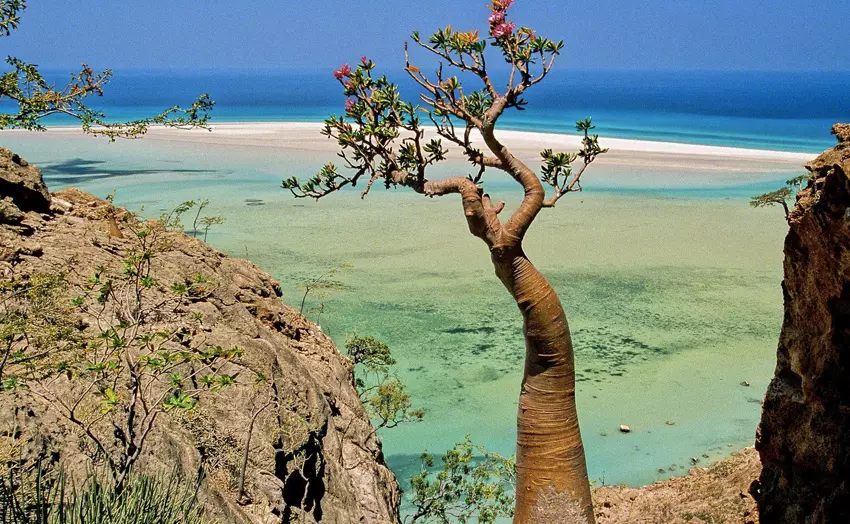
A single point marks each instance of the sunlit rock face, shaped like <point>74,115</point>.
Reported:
<point>804,437</point>
<point>316,458</point>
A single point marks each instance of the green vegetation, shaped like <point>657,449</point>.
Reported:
<point>208,222</point>
<point>782,195</point>
<point>37,98</point>
<point>47,497</point>
<point>110,357</point>
<point>321,287</point>
<point>385,397</point>
<point>472,486</point>
<point>205,221</point>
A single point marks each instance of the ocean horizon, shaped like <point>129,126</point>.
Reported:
<point>780,111</point>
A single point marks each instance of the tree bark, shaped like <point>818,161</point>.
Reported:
<point>549,446</point>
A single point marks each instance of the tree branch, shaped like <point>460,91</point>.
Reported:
<point>516,226</point>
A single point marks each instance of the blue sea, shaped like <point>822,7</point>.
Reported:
<point>778,111</point>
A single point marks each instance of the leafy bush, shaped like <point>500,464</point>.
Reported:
<point>385,398</point>
<point>473,486</point>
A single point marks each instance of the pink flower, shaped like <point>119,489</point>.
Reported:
<point>364,60</point>
<point>349,105</point>
<point>342,72</point>
<point>502,30</point>
<point>496,18</point>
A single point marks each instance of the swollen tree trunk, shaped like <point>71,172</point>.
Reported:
<point>550,454</point>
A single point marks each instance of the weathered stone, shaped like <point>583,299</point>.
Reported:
<point>32,249</point>
<point>23,183</point>
<point>9,212</point>
<point>350,481</point>
<point>804,436</point>
<point>842,132</point>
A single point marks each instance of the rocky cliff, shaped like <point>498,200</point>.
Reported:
<point>804,437</point>
<point>325,465</point>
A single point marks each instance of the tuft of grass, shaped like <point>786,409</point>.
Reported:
<point>38,497</point>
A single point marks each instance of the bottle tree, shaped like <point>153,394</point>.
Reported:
<point>382,139</point>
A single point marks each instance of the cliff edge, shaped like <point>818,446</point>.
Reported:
<point>316,460</point>
<point>804,436</point>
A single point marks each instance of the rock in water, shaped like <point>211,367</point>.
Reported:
<point>625,429</point>
<point>804,436</point>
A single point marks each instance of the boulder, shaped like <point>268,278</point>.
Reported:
<point>9,212</point>
<point>23,183</point>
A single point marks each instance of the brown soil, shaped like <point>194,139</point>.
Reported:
<point>718,494</point>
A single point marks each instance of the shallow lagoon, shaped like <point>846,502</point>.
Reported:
<point>670,281</point>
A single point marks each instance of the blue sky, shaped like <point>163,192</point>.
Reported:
<point>780,35</point>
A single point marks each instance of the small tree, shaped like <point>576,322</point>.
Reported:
<point>321,287</point>
<point>382,139</point>
<point>473,486</point>
<point>385,398</point>
<point>36,98</point>
<point>200,205</point>
<point>782,195</point>
<point>209,222</point>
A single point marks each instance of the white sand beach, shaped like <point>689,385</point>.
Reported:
<point>305,136</point>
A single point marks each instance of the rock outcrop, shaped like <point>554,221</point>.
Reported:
<point>331,471</point>
<point>804,436</point>
<point>22,183</point>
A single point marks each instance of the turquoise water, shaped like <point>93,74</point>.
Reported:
<point>670,281</point>
<point>782,111</point>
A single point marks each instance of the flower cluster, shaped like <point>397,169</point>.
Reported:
<point>342,72</point>
<point>348,78</point>
<point>499,26</point>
